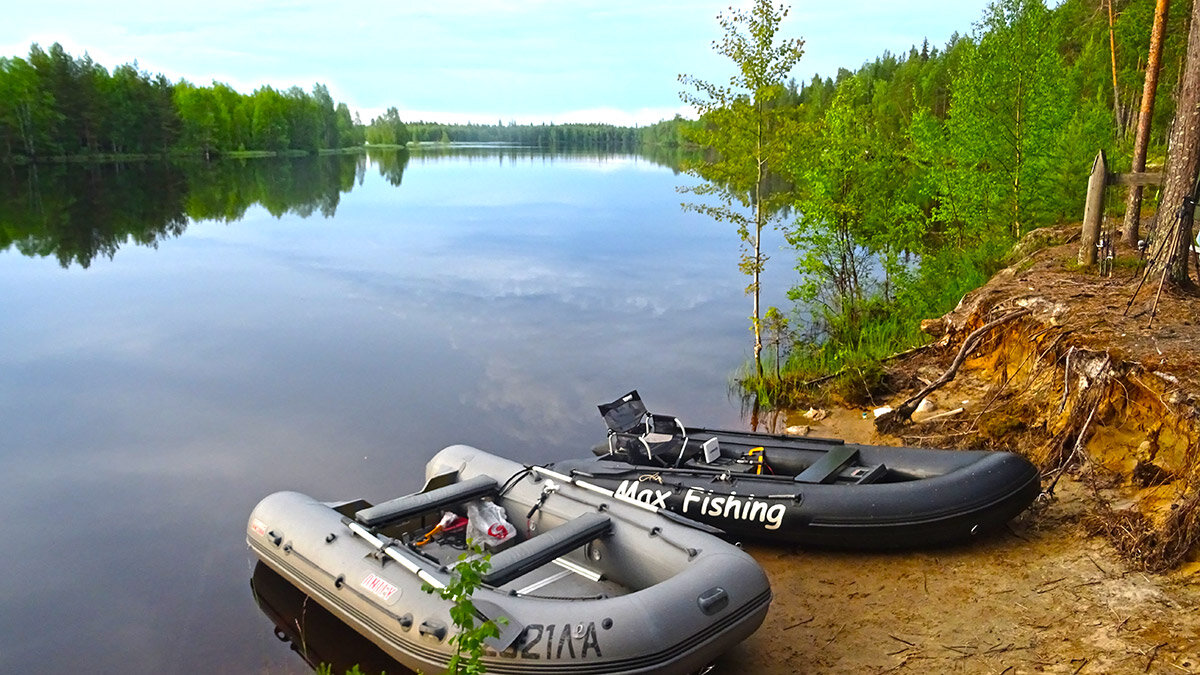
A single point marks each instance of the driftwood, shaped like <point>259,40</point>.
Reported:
<point>903,414</point>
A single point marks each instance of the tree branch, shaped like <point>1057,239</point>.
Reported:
<point>903,414</point>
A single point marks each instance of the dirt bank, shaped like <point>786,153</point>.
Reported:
<point>1045,595</point>
<point>1102,576</point>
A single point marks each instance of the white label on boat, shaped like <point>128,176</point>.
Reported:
<point>378,587</point>
<point>258,527</point>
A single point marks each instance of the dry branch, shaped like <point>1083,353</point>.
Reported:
<point>903,414</point>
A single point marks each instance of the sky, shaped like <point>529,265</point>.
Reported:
<point>483,61</point>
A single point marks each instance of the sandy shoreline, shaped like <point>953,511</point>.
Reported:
<point>1039,596</point>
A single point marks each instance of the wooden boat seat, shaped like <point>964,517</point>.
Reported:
<point>537,551</point>
<point>408,506</point>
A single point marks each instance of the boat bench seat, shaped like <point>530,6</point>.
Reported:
<point>537,551</point>
<point>408,506</point>
<point>834,465</point>
<point>826,469</point>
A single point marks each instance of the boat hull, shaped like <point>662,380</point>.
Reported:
<point>932,497</point>
<point>657,627</point>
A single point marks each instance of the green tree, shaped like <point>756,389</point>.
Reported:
<point>1009,102</point>
<point>205,121</point>
<point>744,128</point>
<point>28,115</point>
<point>858,211</point>
<point>269,120</point>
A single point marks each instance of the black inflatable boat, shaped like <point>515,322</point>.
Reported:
<point>810,491</point>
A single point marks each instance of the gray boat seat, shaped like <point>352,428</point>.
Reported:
<point>408,506</point>
<point>835,466</point>
<point>827,468</point>
<point>537,551</point>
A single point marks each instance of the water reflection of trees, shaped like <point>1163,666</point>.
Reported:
<point>501,152</point>
<point>76,213</point>
<point>391,164</point>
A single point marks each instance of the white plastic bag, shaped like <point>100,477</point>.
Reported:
<point>487,524</point>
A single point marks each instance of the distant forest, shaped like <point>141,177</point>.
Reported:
<point>53,104</point>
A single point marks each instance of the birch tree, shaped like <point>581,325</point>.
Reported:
<point>741,126</point>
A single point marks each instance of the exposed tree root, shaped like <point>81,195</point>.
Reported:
<point>1147,546</point>
<point>902,415</point>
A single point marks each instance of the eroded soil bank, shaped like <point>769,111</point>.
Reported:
<point>1103,574</point>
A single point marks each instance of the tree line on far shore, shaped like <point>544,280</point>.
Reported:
<point>54,105</point>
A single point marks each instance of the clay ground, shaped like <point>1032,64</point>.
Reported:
<point>1040,596</point>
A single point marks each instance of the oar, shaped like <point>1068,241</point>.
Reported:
<point>509,629</point>
<point>591,487</point>
<point>405,562</point>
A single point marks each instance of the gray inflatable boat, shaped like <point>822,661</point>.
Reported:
<point>591,583</point>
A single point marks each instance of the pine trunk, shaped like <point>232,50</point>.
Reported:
<point>1112,46</point>
<point>1174,222</point>
<point>1133,205</point>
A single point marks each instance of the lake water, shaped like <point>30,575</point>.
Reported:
<point>177,343</point>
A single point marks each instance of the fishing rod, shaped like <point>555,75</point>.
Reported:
<point>592,487</point>
<point>1186,212</point>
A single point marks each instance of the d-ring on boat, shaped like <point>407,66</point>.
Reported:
<point>595,584</point>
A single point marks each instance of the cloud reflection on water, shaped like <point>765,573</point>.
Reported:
<point>151,399</point>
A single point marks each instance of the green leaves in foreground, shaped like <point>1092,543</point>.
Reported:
<point>465,578</point>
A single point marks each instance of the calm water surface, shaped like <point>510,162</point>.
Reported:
<point>176,344</point>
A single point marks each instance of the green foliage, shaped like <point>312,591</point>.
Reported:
<point>467,576</point>
<point>326,669</point>
<point>550,136</point>
<point>388,129</point>
<point>1007,109</point>
<point>53,105</point>
<point>913,175</point>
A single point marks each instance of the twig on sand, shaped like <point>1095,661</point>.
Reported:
<point>1153,655</point>
<point>1049,585</point>
<point>800,623</point>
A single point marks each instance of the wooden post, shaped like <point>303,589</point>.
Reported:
<point>1093,211</point>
